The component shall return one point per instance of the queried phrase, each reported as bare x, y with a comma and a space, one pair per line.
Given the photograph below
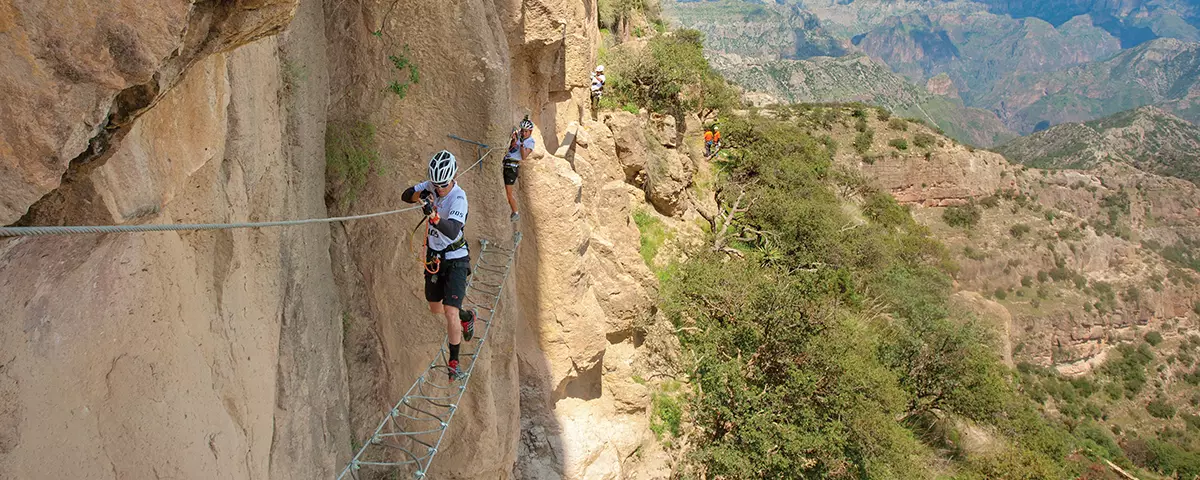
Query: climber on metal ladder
519, 148
447, 258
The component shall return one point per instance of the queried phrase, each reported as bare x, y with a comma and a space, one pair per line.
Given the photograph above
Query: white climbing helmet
599, 68
526, 124
442, 168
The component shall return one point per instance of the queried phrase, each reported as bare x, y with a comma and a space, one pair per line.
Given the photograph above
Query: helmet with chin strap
442, 168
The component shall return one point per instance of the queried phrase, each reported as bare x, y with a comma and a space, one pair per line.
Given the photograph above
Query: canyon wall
211, 354
267, 353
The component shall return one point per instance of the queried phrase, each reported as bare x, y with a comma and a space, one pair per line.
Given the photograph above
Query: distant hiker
708, 142
447, 259
519, 149
598, 83
716, 138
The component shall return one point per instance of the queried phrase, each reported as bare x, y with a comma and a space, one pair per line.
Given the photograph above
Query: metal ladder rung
497, 272
429, 399
480, 290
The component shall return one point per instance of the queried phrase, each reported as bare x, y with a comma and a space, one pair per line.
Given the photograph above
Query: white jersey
453, 206
514, 154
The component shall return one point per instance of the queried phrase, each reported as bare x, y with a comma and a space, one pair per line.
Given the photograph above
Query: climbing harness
411, 433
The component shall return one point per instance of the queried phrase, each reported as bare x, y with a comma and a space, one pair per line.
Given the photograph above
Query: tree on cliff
670, 75
618, 15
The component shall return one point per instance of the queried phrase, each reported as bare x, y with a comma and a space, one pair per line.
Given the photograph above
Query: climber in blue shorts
447, 259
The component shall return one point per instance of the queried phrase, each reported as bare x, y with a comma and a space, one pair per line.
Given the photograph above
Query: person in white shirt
598, 83
519, 148
447, 258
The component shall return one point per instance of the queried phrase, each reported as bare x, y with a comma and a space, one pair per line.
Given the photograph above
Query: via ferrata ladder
410, 434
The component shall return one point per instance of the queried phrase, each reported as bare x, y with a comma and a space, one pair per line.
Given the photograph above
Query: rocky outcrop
941, 174
77, 74
584, 413
648, 150
942, 85
183, 354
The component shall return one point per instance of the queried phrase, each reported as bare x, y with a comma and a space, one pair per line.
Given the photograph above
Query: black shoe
468, 324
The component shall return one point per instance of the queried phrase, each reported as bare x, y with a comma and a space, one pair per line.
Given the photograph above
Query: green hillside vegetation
1146, 138
826, 351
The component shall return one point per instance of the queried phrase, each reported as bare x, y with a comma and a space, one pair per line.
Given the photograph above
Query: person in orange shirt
716, 140
708, 141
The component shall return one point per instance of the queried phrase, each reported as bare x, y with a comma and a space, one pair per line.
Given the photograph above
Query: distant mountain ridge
1163, 72
859, 78
1147, 138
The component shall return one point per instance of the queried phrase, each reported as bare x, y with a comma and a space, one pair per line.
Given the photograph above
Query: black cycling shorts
510, 174
449, 284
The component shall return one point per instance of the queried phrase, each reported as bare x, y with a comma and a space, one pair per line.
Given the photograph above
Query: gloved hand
425, 194
426, 206
434, 218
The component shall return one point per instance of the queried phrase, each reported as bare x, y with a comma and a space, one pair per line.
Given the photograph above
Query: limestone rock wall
191, 354
559, 358
267, 353
74, 74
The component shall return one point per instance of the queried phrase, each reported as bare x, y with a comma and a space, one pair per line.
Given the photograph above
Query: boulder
629, 137
664, 130
668, 175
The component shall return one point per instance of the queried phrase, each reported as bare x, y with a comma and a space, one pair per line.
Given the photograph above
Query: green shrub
1129, 367
830, 144
1158, 408
351, 155
401, 62
965, 216
1100, 439
884, 114
924, 140
1153, 338
884, 210
863, 141
667, 413
899, 144
1000, 294
1191, 421
1162, 457
898, 124
653, 235
1027, 281
861, 124
1019, 230
1043, 276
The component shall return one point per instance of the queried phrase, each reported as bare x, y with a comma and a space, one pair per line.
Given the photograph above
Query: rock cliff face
191, 354
220, 354
77, 73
